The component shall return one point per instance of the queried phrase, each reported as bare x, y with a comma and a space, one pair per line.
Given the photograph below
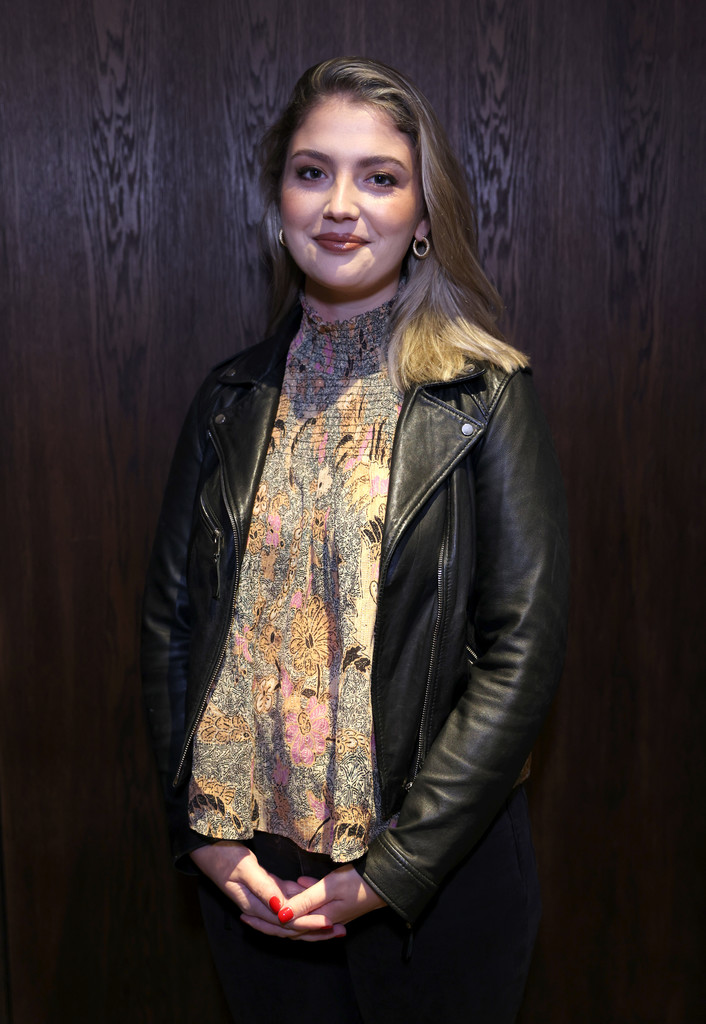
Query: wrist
224, 852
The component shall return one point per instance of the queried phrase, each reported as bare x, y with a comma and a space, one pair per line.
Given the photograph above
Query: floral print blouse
286, 743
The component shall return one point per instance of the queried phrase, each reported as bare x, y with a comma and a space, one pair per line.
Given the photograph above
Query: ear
422, 229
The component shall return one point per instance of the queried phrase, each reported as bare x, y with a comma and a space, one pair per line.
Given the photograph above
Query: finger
268, 928
256, 892
308, 900
309, 922
275, 891
248, 903
291, 888
266, 888
337, 932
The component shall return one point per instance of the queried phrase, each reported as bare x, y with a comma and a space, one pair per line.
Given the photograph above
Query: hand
336, 899
235, 869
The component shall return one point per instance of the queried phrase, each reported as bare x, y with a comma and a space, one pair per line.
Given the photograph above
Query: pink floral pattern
306, 733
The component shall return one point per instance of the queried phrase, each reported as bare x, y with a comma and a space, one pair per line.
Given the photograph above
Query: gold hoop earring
423, 252
281, 239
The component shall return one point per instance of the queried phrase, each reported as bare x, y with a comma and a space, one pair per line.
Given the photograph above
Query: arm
166, 629
520, 628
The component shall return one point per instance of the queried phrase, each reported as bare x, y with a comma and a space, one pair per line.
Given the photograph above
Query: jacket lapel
432, 436
241, 428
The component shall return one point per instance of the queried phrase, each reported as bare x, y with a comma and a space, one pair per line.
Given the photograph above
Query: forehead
340, 121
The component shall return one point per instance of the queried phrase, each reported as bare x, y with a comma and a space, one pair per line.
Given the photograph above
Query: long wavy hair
446, 314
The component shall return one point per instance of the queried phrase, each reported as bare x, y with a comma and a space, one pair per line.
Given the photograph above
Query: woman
355, 612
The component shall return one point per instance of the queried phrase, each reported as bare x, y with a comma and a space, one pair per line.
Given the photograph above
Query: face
351, 204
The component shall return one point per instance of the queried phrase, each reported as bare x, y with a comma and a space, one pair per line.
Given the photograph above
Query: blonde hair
445, 315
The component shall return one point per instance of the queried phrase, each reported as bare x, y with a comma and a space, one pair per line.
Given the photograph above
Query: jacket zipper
431, 675
217, 540
427, 691
224, 643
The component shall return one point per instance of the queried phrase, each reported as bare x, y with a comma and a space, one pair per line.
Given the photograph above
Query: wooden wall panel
628, 308
90, 909
128, 266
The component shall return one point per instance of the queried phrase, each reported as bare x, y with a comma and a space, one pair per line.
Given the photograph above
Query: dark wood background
128, 266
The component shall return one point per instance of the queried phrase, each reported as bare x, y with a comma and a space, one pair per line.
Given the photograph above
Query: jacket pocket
215, 534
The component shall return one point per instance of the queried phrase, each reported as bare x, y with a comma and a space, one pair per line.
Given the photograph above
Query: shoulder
259, 365
491, 390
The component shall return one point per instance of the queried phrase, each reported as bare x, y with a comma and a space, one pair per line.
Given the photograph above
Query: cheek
285, 208
403, 219
294, 208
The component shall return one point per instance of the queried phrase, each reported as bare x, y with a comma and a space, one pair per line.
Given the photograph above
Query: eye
382, 179
310, 173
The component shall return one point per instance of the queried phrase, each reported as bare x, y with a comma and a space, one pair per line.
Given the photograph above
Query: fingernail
326, 928
275, 904
285, 914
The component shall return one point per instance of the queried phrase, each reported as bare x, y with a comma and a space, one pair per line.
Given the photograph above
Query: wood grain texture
128, 266
637, 647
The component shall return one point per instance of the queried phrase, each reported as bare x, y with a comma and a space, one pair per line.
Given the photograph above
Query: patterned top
286, 742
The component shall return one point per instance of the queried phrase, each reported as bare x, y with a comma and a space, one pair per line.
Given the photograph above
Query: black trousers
469, 957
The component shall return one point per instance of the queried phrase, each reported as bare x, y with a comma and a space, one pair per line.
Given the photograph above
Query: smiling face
351, 203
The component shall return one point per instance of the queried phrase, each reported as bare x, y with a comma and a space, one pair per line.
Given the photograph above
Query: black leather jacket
470, 627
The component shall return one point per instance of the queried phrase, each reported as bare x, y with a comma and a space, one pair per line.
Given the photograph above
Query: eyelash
390, 181
316, 174
304, 172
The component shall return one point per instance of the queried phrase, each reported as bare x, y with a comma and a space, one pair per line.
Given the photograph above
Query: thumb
306, 881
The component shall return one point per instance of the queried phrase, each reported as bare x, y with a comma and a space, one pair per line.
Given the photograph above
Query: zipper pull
408, 943
216, 568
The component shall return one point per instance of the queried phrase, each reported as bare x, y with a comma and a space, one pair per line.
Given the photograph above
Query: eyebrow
367, 161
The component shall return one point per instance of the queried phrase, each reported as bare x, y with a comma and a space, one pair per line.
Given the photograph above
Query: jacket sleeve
521, 600
166, 630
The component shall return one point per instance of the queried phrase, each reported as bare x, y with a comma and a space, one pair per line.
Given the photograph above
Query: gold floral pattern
347, 740
256, 536
269, 643
218, 728
313, 637
265, 694
318, 523
260, 505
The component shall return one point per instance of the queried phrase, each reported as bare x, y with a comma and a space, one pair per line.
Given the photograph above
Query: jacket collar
241, 429
435, 431
263, 363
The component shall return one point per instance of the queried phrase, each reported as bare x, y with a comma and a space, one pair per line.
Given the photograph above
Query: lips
333, 241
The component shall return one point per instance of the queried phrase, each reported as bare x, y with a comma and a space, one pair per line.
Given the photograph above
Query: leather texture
472, 604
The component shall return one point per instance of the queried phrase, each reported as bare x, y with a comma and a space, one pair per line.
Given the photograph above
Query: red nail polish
275, 904
285, 914
326, 928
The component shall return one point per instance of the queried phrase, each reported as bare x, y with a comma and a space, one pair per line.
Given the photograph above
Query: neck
332, 306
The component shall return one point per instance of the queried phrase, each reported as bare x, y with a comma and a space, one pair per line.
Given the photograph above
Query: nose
342, 202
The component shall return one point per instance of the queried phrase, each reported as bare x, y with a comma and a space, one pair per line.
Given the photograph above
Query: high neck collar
355, 347
374, 322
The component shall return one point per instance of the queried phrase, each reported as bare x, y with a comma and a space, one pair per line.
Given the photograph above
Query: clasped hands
308, 909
